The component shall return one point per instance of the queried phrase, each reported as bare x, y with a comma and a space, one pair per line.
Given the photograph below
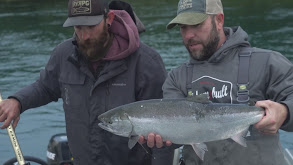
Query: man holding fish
222, 61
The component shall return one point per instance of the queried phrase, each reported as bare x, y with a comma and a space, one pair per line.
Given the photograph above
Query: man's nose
189, 33
85, 34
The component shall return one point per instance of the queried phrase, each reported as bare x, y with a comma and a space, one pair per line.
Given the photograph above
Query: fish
188, 121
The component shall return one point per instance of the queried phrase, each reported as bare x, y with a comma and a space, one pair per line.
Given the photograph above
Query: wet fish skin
191, 121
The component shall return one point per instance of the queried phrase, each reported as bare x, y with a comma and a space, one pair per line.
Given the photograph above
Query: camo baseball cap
85, 12
193, 12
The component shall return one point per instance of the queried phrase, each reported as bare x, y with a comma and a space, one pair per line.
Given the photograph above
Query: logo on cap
185, 4
81, 7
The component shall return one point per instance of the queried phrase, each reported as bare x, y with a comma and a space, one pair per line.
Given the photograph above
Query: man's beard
96, 48
209, 48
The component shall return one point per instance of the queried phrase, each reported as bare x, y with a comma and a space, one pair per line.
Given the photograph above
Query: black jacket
137, 77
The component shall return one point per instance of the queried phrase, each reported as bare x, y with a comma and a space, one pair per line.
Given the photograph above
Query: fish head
117, 123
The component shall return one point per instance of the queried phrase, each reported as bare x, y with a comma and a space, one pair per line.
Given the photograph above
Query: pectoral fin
199, 149
132, 141
239, 138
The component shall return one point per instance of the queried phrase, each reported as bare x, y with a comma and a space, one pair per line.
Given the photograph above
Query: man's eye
198, 25
91, 27
182, 26
77, 27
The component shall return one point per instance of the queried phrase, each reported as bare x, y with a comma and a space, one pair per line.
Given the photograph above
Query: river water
30, 29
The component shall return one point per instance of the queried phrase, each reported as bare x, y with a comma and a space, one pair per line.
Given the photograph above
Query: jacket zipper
107, 97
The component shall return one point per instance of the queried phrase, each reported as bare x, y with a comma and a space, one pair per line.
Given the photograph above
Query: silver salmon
190, 121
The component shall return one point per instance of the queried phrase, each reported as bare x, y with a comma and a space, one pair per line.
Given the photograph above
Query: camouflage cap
192, 12
85, 12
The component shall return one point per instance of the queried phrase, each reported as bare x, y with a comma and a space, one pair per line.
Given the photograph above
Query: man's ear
220, 20
110, 17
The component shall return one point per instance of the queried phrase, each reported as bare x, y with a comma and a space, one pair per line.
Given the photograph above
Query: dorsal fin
202, 98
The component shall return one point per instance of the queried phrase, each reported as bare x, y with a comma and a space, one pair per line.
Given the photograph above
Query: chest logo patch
218, 90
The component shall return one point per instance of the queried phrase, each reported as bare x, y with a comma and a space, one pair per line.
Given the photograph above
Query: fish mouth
100, 117
109, 128
106, 127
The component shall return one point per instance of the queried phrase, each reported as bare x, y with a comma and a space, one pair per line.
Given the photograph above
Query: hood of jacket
236, 37
125, 36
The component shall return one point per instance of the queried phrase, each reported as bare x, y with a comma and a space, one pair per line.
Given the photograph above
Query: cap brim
187, 18
83, 20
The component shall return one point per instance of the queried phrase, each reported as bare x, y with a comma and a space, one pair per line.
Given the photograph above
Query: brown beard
96, 48
209, 48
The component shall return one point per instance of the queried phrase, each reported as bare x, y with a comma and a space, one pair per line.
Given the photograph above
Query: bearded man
103, 66
224, 66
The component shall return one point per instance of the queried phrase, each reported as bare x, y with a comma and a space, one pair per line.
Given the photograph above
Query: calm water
30, 29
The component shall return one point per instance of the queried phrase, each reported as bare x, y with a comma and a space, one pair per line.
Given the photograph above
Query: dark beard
95, 49
211, 47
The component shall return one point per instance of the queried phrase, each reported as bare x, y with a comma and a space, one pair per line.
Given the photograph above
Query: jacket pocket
73, 90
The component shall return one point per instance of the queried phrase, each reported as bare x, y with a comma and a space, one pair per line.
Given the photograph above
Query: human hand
275, 115
154, 140
9, 111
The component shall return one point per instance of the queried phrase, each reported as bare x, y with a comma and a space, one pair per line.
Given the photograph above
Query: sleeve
172, 88
151, 75
280, 84
42, 91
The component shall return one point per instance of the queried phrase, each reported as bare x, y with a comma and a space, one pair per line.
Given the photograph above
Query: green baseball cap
193, 12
